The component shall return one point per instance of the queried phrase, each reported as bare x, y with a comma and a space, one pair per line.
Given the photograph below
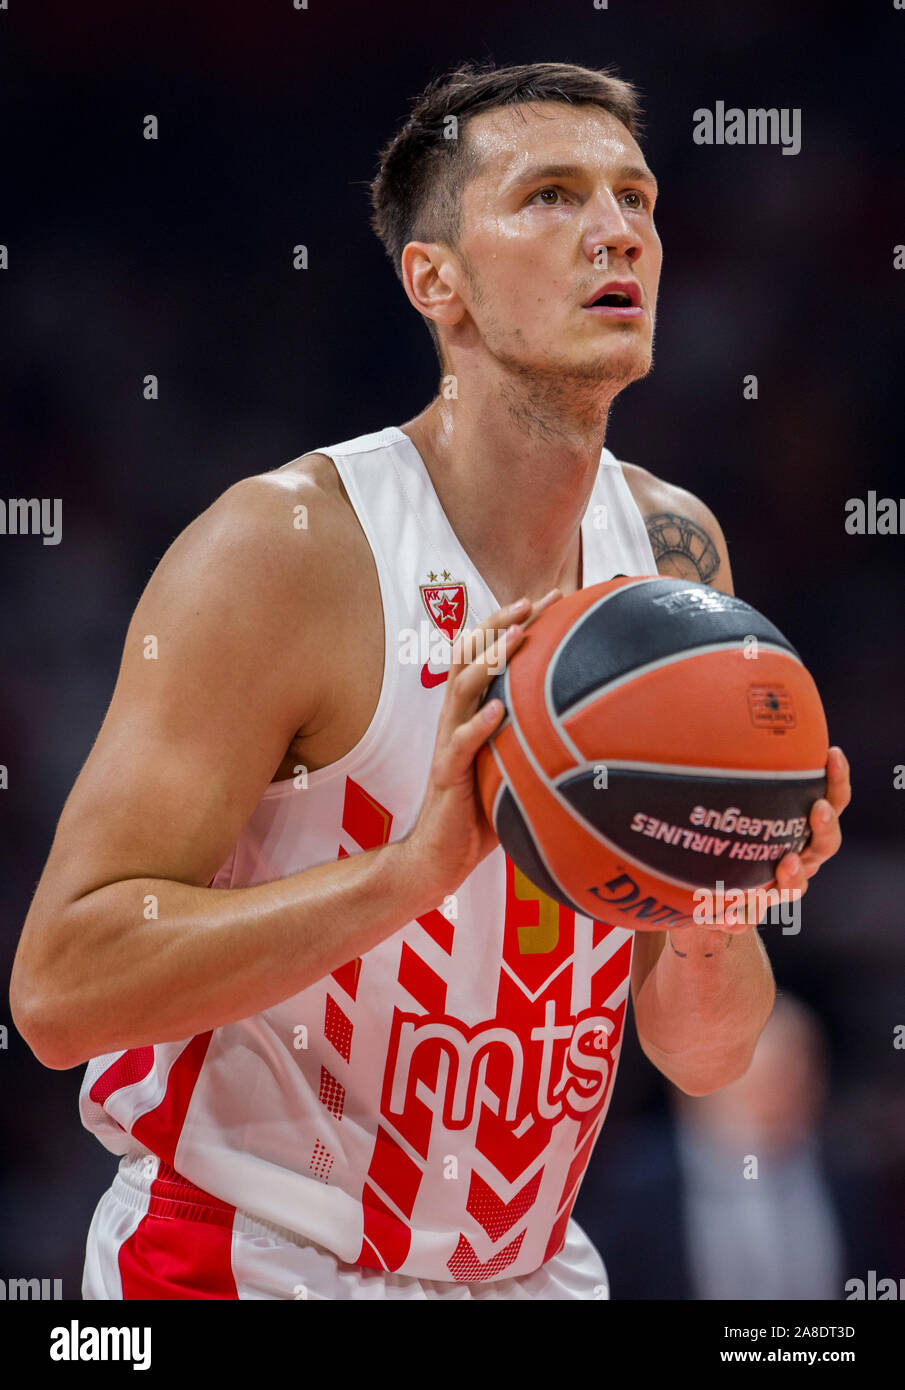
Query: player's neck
514, 483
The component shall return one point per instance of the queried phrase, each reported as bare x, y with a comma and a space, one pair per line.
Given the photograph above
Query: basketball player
333, 1033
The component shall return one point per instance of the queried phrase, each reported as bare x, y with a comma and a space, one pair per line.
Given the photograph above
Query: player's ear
430, 278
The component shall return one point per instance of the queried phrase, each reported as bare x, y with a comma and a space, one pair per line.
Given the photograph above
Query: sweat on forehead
549, 139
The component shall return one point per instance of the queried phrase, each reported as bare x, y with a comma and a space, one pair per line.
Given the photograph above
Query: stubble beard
553, 398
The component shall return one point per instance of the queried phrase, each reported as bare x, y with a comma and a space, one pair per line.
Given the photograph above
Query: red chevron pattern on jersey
546, 1054
570, 1072
465, 1267
496, 1216
368, 824
393, 1176
337, 1028
386, 1237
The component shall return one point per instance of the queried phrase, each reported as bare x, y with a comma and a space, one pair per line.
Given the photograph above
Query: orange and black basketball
659, 737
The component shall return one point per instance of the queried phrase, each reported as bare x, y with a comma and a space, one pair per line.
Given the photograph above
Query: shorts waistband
168, 1194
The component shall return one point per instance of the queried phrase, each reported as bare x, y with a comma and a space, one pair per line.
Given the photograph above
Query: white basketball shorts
178, 1242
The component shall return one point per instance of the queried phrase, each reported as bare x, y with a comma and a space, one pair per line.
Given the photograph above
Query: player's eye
548, 202
642, 199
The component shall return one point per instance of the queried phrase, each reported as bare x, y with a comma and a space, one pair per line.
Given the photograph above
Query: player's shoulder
298, 492
685, 536
656, 496
273, 537
264, 515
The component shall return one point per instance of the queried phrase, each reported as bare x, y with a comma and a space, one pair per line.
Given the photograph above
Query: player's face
558, 183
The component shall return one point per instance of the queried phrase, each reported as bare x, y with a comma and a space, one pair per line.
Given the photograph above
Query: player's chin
626, 361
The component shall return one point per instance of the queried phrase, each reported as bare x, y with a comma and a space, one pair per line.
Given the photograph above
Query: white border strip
738, 774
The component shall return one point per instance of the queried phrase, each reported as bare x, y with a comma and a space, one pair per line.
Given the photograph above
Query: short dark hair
416, 194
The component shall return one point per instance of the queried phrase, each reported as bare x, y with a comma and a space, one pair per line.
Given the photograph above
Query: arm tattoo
681, 547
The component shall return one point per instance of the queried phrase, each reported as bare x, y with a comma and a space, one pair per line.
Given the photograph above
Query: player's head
492, 202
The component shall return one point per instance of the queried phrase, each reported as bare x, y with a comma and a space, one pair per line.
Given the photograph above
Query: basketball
659, 737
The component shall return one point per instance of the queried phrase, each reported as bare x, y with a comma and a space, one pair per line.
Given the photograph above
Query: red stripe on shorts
182, 1249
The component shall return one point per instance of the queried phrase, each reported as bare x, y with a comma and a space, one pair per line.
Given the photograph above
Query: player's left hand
794, 870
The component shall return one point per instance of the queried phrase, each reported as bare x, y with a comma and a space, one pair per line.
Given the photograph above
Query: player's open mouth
617, 299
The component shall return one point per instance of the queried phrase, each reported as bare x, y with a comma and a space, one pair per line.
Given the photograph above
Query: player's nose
608, 228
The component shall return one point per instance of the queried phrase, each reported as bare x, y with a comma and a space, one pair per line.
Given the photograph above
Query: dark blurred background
174, 257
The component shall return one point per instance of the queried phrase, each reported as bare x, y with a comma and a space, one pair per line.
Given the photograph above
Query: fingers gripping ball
659, 737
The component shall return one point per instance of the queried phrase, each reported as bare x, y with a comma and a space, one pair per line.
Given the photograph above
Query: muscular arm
257, 647
124, 943
701, 997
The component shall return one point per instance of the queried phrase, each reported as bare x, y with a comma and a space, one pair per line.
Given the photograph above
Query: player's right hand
452, 835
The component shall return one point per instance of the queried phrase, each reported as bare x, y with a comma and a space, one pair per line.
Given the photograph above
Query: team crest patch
446, 604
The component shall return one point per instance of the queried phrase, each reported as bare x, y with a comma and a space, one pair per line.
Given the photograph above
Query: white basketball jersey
430, 1107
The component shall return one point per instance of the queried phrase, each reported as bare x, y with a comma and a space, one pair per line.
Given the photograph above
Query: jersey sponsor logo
556, 1069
